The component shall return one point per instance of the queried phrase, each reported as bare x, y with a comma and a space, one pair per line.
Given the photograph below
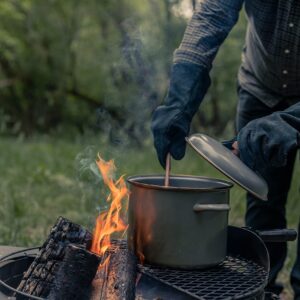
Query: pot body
181, 226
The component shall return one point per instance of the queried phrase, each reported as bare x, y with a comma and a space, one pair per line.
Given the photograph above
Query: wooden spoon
168, 168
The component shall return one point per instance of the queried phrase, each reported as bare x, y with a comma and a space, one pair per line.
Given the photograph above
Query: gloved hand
270, 140
171, 121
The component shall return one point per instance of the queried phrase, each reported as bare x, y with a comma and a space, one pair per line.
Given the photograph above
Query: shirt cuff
187, 55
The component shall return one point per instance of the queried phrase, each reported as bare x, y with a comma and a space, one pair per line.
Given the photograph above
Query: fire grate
235, 278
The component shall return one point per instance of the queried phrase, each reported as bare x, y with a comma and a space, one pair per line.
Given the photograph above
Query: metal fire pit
240, 276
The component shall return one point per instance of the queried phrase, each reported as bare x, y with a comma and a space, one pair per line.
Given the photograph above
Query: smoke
87, 167
90, 181
89, 178
134, 90
134, 73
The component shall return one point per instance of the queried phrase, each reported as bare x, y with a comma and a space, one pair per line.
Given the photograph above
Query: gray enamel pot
182, 226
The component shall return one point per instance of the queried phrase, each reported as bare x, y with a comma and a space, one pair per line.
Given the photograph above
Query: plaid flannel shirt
270, 67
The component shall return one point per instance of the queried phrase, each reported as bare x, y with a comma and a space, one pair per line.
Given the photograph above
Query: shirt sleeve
208, 28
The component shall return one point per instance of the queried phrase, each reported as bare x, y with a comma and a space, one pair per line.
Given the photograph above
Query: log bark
122, 276
75, 275
39, 278
118, 280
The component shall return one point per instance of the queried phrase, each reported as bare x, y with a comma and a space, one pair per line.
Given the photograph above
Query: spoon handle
168, 168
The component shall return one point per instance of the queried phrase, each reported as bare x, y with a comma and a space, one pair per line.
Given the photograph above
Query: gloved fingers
162, 157
162, 146
177, 137
169, 128
178, 147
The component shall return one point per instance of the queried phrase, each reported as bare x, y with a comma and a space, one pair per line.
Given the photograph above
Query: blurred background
69, 67
79, 78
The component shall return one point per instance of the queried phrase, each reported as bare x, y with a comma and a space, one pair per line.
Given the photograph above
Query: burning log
117, 279
39, 278
75, 275
122, 274
117, 275
67, 275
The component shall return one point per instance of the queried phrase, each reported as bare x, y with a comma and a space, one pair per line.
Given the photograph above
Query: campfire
76, 264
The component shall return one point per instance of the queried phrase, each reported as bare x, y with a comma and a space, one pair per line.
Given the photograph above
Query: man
268, 86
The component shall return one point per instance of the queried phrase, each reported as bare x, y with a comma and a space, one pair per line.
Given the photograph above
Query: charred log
39, 278
117, 280
122, 275
75, 275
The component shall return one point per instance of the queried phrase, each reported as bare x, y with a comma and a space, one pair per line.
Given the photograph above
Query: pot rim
226, 184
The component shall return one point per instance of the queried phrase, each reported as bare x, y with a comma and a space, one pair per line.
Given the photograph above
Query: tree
63, 61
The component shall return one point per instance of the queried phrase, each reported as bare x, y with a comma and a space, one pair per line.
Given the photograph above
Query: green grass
44, 178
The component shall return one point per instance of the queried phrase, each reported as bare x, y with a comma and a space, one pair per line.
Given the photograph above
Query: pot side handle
210, 207
277, 235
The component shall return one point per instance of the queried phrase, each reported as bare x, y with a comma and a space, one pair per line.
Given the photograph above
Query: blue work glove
171, 121
269, 141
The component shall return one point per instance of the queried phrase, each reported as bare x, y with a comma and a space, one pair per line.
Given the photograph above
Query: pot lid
229, 164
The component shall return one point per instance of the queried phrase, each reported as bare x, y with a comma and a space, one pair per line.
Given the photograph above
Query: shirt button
284, 72
284, 86
286, 51
291, 25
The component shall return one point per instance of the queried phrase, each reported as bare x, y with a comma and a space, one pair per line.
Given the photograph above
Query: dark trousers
270, 214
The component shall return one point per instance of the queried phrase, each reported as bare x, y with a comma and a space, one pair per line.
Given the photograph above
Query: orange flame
109, 222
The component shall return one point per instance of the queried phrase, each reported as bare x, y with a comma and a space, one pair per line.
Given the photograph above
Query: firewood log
39, 277
118, 280
75, 275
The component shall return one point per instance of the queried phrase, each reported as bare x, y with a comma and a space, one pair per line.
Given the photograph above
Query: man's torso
271, 58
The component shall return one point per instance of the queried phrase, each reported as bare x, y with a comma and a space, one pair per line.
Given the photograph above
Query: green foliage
86, 64
60, 60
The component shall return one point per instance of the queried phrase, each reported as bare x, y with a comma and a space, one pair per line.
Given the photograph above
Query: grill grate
235, 278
